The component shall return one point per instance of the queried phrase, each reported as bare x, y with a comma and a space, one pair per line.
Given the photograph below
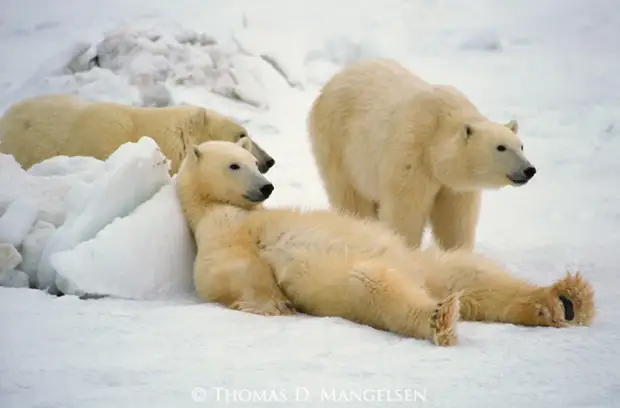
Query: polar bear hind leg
489, 293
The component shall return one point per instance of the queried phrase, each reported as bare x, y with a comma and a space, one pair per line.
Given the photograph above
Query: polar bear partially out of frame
278, 261
40, 127
389, 145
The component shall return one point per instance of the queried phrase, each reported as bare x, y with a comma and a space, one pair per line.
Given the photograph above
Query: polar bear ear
513, 125
245, 142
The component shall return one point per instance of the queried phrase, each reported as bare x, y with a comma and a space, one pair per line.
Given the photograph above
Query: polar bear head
480, 154
209, 125
226, 172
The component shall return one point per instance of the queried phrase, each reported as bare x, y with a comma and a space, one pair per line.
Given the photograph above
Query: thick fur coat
391, 146
278, 261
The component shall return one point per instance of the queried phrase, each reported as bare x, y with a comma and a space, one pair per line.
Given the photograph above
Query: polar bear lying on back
275, 261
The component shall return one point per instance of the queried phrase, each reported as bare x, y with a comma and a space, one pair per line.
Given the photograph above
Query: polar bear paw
577, 298
266, 308
444, 319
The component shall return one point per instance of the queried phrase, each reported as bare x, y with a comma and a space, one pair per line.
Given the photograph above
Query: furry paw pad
577, 298
444, 319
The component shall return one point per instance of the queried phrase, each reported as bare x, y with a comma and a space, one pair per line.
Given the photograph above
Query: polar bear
323, 263
40, 127
391, 146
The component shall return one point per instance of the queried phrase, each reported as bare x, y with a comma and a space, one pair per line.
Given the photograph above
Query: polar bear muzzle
259, 194
523, 175
265, 161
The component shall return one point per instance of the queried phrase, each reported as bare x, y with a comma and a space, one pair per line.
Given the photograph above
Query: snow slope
552, 64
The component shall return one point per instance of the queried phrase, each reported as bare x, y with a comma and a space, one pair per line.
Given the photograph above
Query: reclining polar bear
276, 261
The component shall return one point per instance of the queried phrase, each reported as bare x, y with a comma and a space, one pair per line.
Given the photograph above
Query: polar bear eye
501, 148
234, 166
521, 147
242, 135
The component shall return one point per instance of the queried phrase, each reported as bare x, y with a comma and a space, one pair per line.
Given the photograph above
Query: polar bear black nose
266, 190
529, 172
270, 163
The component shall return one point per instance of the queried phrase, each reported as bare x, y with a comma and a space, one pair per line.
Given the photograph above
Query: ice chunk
134, 172
32, 248
146, 255
257, 82
49, 191
89, 167
152, 56
58, 63
9, 257
14, 279
13, 180
17, 220
275, 50
156, 95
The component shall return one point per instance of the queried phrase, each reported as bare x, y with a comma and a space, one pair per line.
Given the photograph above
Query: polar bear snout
265, 165
529, 172
522, 176
260, 194
265, 161
266, 190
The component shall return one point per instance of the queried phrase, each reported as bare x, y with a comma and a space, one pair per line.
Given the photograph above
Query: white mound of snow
148, 254
59, 64
134, 172
9, 257
12, 180
64, 165
14, 279
146, 63
17, 220
48, 191
33, 246
169, 55
274, 49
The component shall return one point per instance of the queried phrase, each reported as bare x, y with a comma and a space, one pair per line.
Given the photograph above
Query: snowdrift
148, 63
115, 229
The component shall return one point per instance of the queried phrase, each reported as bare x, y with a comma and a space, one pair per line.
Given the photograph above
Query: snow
146, 255
551, 65
134, 173
43, 184
17, 220
9, 257
14, 278
32, 248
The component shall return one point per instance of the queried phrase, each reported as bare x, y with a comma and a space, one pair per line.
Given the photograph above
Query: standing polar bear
38, 128
389, 145
278, 261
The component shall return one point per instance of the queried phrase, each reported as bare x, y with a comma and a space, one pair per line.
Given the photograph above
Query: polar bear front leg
343, 196
454, 218
365, 291
240, 280
405, 207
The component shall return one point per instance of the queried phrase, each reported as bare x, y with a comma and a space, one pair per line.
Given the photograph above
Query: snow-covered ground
551, 64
